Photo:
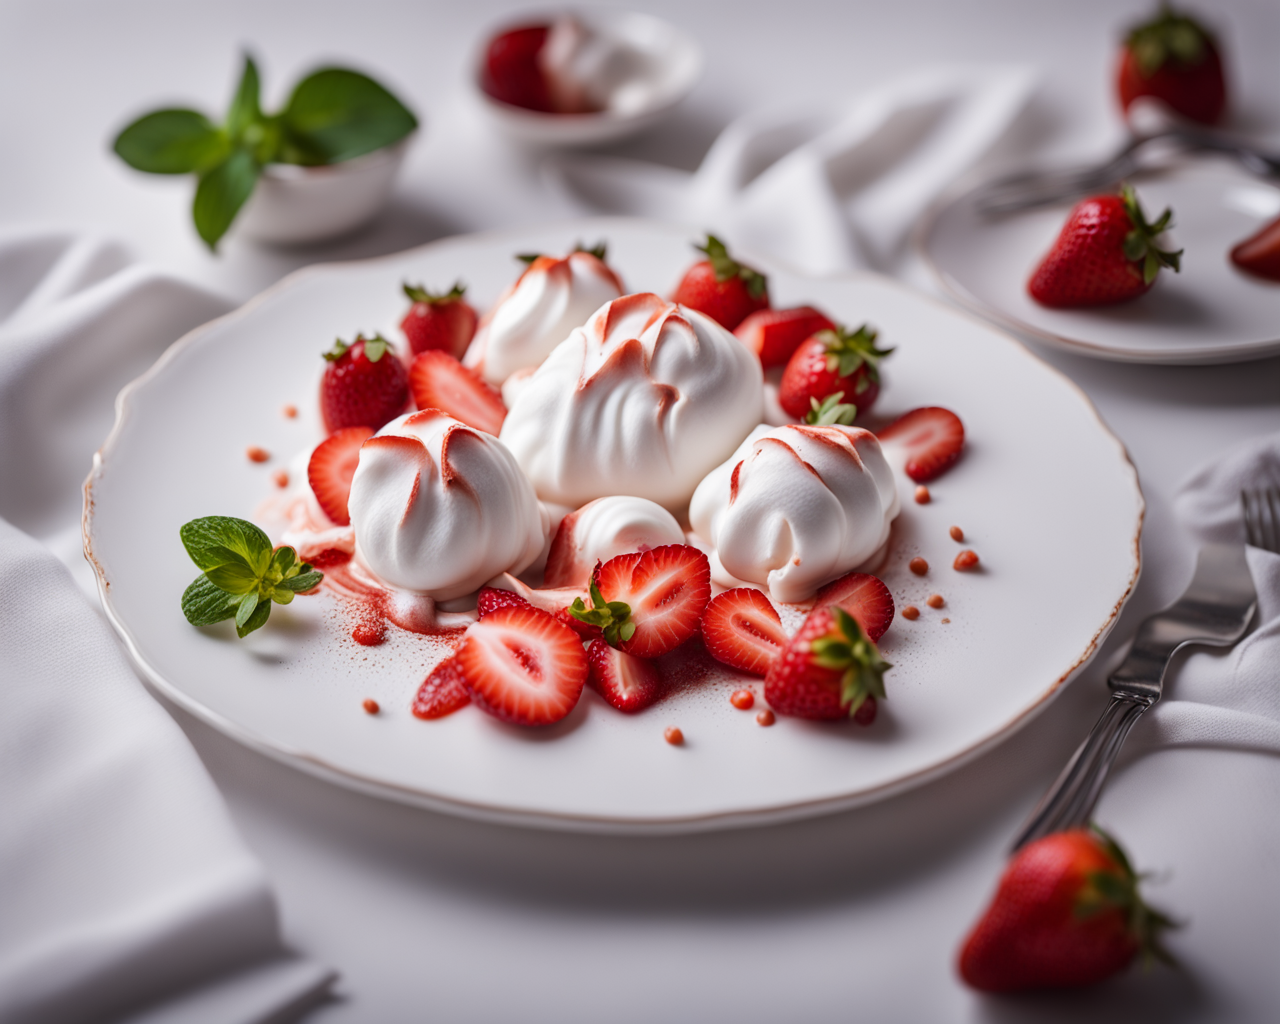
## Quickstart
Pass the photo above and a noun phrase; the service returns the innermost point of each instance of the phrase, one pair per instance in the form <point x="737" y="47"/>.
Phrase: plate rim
<point x="317" y="766"/>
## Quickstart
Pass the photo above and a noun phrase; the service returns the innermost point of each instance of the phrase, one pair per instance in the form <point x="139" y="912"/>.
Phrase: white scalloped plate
<point x="1045" y="493"/>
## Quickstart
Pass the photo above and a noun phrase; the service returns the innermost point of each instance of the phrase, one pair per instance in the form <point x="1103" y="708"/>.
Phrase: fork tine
<point x="1261" y="510"/>
<point x="1248" y="509"/>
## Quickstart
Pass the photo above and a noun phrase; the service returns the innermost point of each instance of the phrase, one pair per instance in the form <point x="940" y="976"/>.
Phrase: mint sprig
<point x="613" y="617"/>
<point x="849" y="650"/>
<point x="831" y="412"/>
<point x="333" y="115"/>
<point x="241" y="573"/>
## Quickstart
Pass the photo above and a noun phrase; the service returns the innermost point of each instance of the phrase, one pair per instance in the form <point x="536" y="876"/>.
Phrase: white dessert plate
<point x="1208" y="313"/>
<point x="1045" y="494"/>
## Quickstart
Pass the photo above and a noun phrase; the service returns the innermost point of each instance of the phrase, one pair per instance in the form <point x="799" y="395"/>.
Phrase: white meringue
<point x="602" y="529"/>
<point x="439" y="508"/>
<point x="551" y="298"/>
<point x="644" y="400"/>
<point x="796" y="507"/>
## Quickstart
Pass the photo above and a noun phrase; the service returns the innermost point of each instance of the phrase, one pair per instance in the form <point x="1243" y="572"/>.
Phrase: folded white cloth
<point x="124" y="887"/>
<point x="1231" y="698"/>
<point x="826" y="188"/>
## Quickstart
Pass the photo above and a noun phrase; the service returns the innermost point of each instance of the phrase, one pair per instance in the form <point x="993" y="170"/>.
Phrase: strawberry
<point x="1259" y="254"/>
<point x="1175" y="59"/>
<point x="512" y="72"/>
<point x="741" y="629"/>
<point x="774" y="334"/>
<point x="332" y="465"/>
<point x="931" y="438"/>
<point x="829" y="362"/>
<point x="863" y="596"/>
<point x="629" y="683"/>
<point x="722" y="288"/>
<point x="442" y="322"/>
<point x="491" y="599"/>
<point x="830" y="669"/>
<point x="1066" y="913"/>
<point x="521" y="665"/>
<point x="439" y="381"/>
<point x="364" y="385"/>
<point x="443" y="692"/>
<point x="1106" y="253"/>
<point x="648" y="603"/>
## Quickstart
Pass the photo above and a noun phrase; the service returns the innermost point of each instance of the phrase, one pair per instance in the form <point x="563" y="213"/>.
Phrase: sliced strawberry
<point x="629" y="683"/>
<point x="331" y="468"/>
<point x="443" y="692"/>
<point x="438" y="381"/>
<point x="863" y="596"/>
<point x="931" y="439"/>
<point x="1259" y="254"/>
<point x="649" y="603"/>
<point x="491" y="599"/>
<point x="830" y="669"/>
<point x="742" y="629"/>
<point x="775" y="334"/>
<point x="523" y="666"/>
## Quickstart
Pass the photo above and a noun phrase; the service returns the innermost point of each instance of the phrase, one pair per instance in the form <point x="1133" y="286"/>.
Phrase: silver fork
<point x="1214" y="610"/>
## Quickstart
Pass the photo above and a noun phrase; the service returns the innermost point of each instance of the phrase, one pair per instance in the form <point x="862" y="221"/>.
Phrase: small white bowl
<point x="292" y="205"/>
<point x="674" y="62"/>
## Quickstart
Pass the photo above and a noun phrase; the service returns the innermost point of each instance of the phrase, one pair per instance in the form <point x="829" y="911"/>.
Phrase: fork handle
<point x="1071" y="799"/>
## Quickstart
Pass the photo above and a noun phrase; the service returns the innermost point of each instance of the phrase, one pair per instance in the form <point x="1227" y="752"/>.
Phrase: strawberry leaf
<point x="1140" y="242"/>
<point x="848" y="350"/>
<point x="1168" y="38"/>
<point x="726" y="267"/>
<point x="831" y="411"/>
<point x="375" y="348"/>
<point x="340" y="349"/>
<point x="613" y="618"/>
<point x="847" y="648"/>
<point x="417" y="293"/>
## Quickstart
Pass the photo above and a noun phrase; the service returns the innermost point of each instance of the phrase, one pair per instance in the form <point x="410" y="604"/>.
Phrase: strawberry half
<point x="443" y="692"/>
<point x="443" y="322"/>
<point x="741" y="629"/>
<point x="1175" y="59"/>
<point x="931" y="440"/>
<point x="775" y="334"/>
<point x="491" y="599"/>
<point x="721" y="287"/>
<point x="332" y="465"/>
<point x="364" y="384"/>
<point x="1259" y="254"/>
<point x="863" y="596"/>
<point x="648" y="603"/>
<point x="522" y="666"/>
<point x="830" y="669"/>
<point x="832" y="362"/>
<point x="629" y="683"/>
<point x="512" y="72"/>
<point x="438" y="381"/>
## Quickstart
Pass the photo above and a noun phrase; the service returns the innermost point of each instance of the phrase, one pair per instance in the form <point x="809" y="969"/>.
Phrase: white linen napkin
<point x="1227" y="699"/>
<point x="826" y="188"/>
<point x="124" y="888"/>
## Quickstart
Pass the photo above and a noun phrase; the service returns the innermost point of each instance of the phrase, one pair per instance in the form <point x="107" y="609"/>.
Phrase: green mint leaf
<point x="255" y="621"/>
<point x="221" y="193"/>
<point x="234" y="579"/>
<point x="303" y="581"/>
<point x="172" y="142"/>
<point x="417" y="293"/>
<point x="245" y="105"/>
<point x="282" y="595"/>
<point x="245" y="609"/>
<point x="205" y="540"/>
<point x="204" y="604"/>
<point x="335" y="115"/>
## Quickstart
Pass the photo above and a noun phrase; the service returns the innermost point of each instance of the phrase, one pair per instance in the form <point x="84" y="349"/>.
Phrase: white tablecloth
<point x="852" y="916"/>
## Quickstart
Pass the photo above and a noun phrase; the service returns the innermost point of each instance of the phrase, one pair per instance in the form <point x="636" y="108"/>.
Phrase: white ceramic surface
<point x="1045" y="494"/>
<point x="1208" y="313"/>
<point x="293" y="205"/>
<point x="672" y="57"/>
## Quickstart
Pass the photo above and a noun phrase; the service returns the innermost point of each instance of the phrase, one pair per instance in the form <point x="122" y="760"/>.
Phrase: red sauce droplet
<point x="923" y="497"/>
<point x="946" y="621"/>
<point x="910" y="612"/>
<point x="281" y="478"/>
<point x="766" y="717"/>
<point x="370" y="632"/>
<point x="290" y="412"/>
<point x="742" y="699"/>
<point x="257" y="454"/>
<point x="371" y="706"/>
<point x="673" y="736"/>
<point x="918" y="566"/>
<point x="935" y="601"/>
<point x="957" y="534"/>
<point x="965" y="561"/>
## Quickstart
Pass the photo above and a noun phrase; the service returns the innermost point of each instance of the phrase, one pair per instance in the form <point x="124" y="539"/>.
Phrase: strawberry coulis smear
<point x="370" y="608"/>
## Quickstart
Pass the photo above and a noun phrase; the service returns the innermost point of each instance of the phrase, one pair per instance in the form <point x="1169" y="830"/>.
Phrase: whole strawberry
<point x="512" y="72"/>
<point x="830" y="669"/>
<point x="1175" y="59"/>
<point x="722" y="288"/>
<point x="1106" y="253"/>
<point x="441" y="322"/>
<point x="364" y="385"/>
<point x="829" y="362"/>
<point x="1067" y="913"/>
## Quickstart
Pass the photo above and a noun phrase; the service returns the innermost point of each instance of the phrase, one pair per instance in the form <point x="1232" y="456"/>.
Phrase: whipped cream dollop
<point x="551" y="298"/>
<point x="644" y="400"/>
<point x="603" y="529"/>
<point x="796" y="507"/>
<point x="589" y="70"/>
<point x="440" y="508"/>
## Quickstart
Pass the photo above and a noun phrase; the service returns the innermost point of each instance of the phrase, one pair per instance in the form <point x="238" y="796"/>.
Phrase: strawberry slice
<point x="863" y="596"/>
<point x="931" y="438"/>
<point x="331" y="468"/>
<point x="629" y="683"/>
<point x="742" y="630"/>
<point x="1259" y="254"/>
<point x="648" y="603"/>
<point x="775" y="334"/>
<point x="521" y="665"/>
<point x="438" y="381"/>
<point x="443" y="691"/>
<point x="491" y="599"/>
